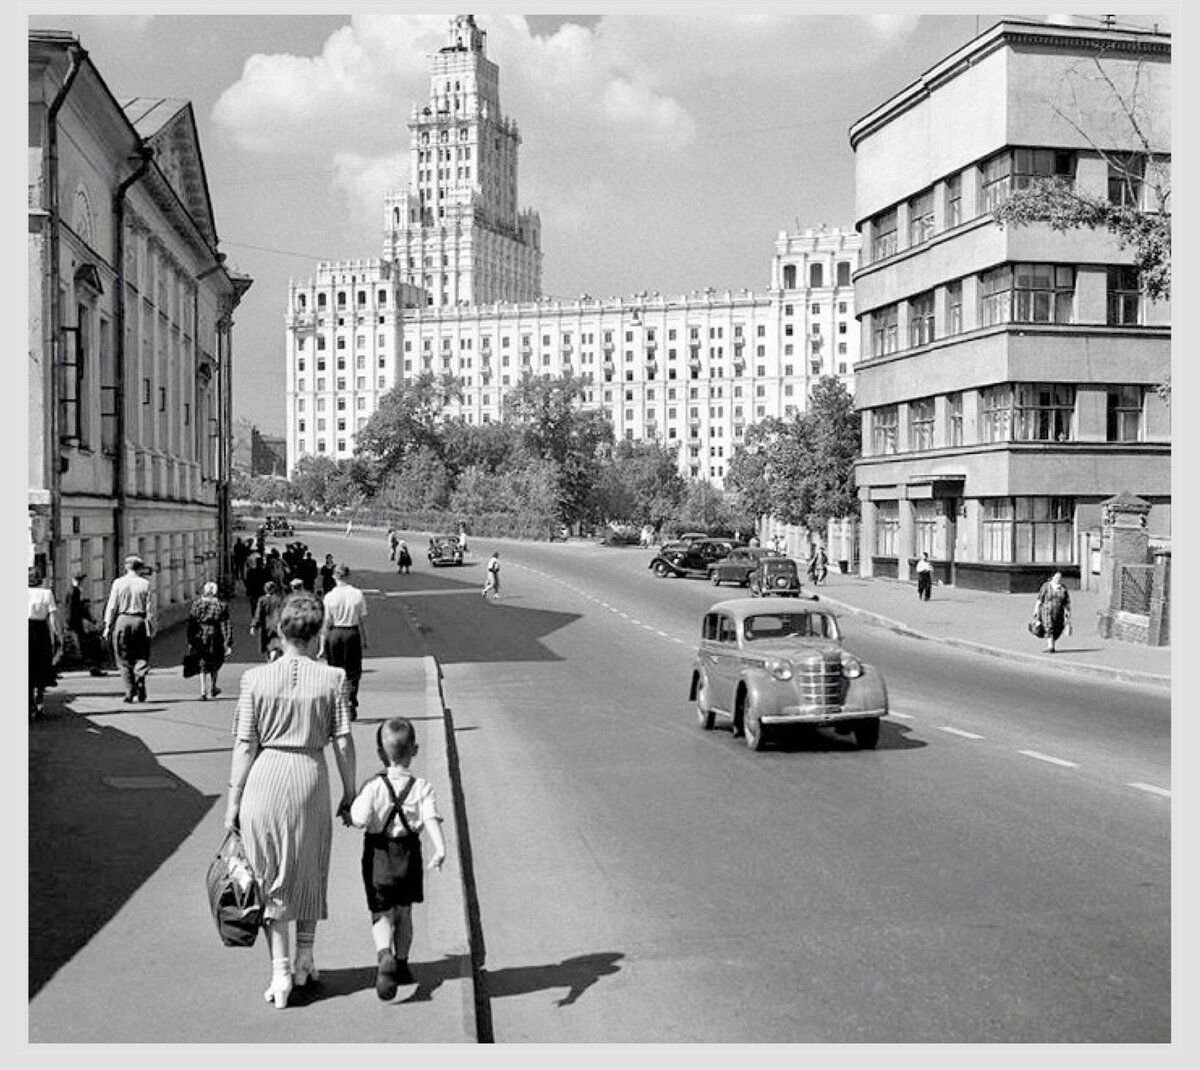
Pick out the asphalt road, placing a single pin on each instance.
(997, 871)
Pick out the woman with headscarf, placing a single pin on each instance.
(279, 796)
(209, 637)
(44, 641)
(1053, 609)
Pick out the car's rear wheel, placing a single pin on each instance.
(704, 715)
(866, 733)
(714, 579)
(661, 571)
(752, 727)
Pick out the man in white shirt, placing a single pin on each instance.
(492, 583)
(129, 617)
(344, 636)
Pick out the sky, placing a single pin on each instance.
(665, 148)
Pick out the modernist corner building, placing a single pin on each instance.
(1008, 378)
(458, 291)
(130, 335)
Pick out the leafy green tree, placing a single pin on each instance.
(640, 483)
(746, 476)
(487, 446)
(423, 482)
(408, 417)
(318, 483)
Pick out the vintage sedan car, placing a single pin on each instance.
(737, 567)
(445, 550)
(691, 559)
(278, 525)
(776, 576)
(763, 666)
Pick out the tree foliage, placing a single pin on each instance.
(802, 470)
(640, 484)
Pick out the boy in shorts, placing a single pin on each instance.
(393, 807)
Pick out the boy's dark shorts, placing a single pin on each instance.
(393, 872)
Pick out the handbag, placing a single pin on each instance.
(1036, 628)
(191, 664)
(234, 895)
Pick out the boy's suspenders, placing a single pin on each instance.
(397, 810)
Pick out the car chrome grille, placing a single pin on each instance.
(819, 681)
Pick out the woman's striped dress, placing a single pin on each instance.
(291, 708)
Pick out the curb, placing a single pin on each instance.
(1127, 676)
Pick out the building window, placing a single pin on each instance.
(1028, 530)
(887, 529)
(883, 240)
(953, 200)
(1030, 165)
(816, 275)
(920, 424)
(954, 307)
(1125, 413)
(920, 320)
(1027, 412)
(885, 331)
(884, 423)
(843, 274)
(925, 521)
(954, 420)
(920, 218)
(1027, 293)
(1124, 297)
(1126, 175)
(994, 178)
(995, 413)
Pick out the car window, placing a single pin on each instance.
(708, 630)
(779, 625)
(726, 630)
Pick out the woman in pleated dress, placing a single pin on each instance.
(287, 712)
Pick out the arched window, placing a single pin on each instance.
(395, 217)
(303, 302)
(843, 273)
(789, 276)
(321, 301)
(816, 274)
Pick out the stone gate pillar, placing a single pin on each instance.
(1123, 541)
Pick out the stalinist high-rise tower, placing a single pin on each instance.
(456, 231)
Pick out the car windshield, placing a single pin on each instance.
(780, 625)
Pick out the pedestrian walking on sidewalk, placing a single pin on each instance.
(492, 583)
(393, 808)
(279, 796)
(45, 641)
(393, 543)
(924, 577)
(1053, 609)
(345, 633)
(266, 622)
(82, 625)
(209, 637)
(403, 559)
(129, 618)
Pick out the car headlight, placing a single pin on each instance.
(851, 666)
(780, 669)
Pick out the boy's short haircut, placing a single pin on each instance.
(397, 739)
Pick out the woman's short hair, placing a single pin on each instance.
(209, 588)
(340, 572)
(301, 617)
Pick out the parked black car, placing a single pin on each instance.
(736, 568)
(691, 559)
(776, 575)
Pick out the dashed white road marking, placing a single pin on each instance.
(1150, 788)
(902, 716)
(1049, 758)
(664, 635)
(957, 732)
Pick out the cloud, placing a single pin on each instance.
(364, 180)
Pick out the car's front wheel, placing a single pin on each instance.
(866, 733)
(704, 715)
(752, 727)
(714, 579)
(661, 571)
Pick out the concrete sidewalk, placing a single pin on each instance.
(126, 805)
(994, 623)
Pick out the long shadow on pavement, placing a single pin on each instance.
(514, 631)
(103, 816)
(576, 974)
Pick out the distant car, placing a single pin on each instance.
(737, 567)
(278, 525)
(445, 550)
(691, 559)
(762, 667)
(239, 523)
(776, 575)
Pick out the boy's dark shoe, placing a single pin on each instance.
(404, 975)
(387, 978)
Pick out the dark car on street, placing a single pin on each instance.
(445, 550)
(763, 666)
(279, 525)
(691, 558)
(776, 576)
(737, 567)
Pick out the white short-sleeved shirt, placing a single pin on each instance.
(371, 808)
(345, 607)
(41, 603)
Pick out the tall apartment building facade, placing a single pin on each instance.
(130, 335)
(1008, 377)
(458, 291)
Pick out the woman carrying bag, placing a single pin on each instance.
(1052, 611)
(209, 638)
(279, 798)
